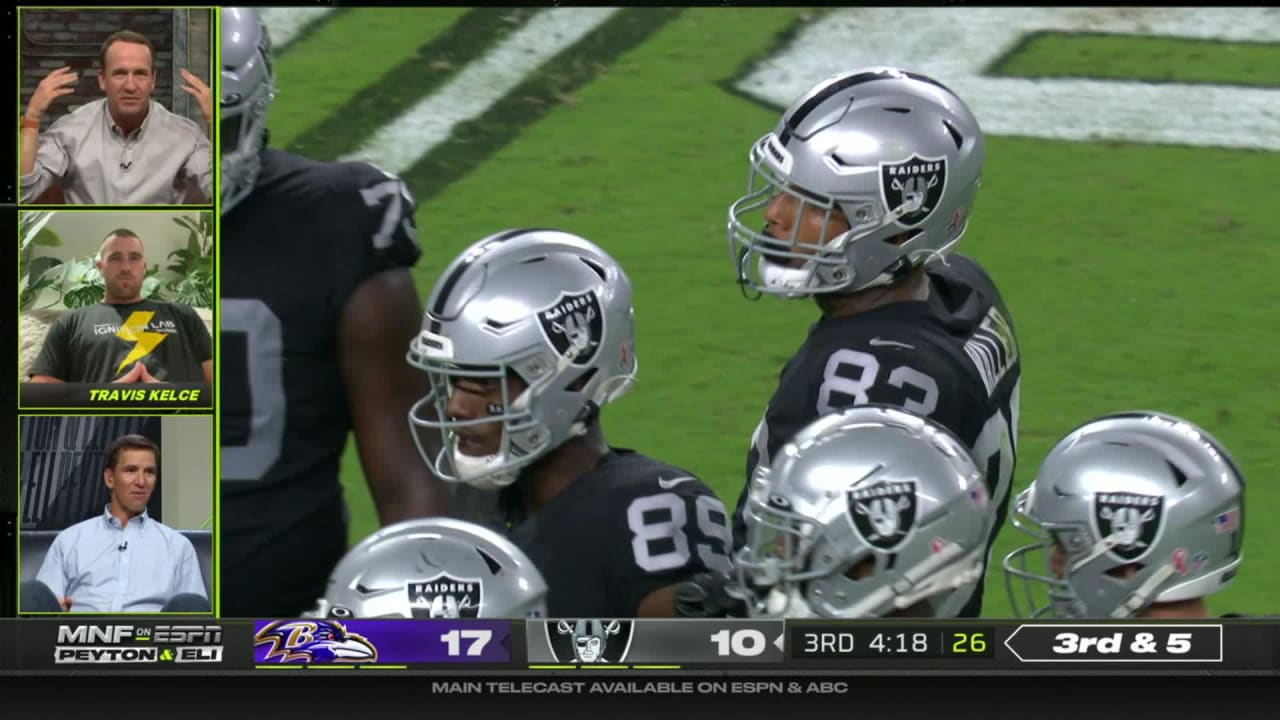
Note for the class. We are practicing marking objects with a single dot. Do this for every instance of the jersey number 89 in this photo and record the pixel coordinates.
(660, 541)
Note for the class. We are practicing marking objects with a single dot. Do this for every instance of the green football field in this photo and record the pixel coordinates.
(1140, 274)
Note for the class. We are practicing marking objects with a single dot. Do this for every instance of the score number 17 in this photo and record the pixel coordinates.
(453, 641)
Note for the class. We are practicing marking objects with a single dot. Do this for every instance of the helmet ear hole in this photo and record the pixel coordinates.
(581, 381)
(864, 568)
(1122, 572)
(901, 238)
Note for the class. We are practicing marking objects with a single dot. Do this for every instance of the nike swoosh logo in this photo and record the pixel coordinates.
(666, 484)
(877, 342)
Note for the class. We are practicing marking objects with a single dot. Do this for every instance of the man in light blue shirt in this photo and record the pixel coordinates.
(122, 560)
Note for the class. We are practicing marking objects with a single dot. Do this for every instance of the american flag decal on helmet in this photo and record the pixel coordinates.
(1228, 521)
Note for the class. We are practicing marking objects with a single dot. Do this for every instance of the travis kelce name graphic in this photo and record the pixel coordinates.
(137, 643)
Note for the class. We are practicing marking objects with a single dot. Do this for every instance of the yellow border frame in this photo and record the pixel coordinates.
(215, 59)
(215, 533)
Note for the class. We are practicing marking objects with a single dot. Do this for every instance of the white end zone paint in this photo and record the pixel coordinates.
(957, 45)
(483, 82)
(284, 24)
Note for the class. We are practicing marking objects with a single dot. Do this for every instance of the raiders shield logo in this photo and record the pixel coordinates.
(918, 182)
(445, 596)
(883, 513)
(574, 325)
(1132, 522)
(589, 641)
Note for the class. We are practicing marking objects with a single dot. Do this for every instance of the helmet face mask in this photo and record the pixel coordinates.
(1128, 511)
(522, 438)
(780, 544)
(543, 320)
(867, 511)
(248, 89)
(888, 160)
(1057, 550)
(793, 266)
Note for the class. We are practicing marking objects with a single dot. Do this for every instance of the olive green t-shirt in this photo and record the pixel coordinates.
(99, 343)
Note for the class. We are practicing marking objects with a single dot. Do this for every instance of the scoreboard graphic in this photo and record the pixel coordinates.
(384, 642)
(583, 645)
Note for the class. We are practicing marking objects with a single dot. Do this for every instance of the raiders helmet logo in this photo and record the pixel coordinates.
(574, 326)
(883, 513)
(1131, 521)
(445, 596)
(918, 182)
(589, 641)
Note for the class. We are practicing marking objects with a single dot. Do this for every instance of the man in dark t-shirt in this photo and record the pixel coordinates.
(125, 338)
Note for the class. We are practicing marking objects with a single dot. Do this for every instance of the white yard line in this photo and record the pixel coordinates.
(284, 24)
(483, 82)
(957, 45)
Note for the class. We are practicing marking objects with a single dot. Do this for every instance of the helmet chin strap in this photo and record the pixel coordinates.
(787, 603)
(922, 581)
(780, 277)
(1138, 599)
(478, 472)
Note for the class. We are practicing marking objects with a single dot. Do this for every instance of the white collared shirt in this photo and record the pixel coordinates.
(97, 164)
(104, 567)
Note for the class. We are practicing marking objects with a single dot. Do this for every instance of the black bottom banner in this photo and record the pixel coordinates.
(309, 694)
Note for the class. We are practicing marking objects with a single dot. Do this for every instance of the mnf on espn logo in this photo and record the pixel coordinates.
(114, 644)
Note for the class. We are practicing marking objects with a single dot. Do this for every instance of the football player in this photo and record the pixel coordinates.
(1134, 515)
(856, 199)
(527, 335)
(868, 512)
(434, 568)
(317, 306)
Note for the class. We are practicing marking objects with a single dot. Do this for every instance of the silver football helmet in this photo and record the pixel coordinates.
(548, 307)
(434, 568)
(248, 87)
(894, 154)
(1139, 508)
(866, 511)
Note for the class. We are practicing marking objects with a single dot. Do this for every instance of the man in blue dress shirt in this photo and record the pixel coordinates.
(122, 560)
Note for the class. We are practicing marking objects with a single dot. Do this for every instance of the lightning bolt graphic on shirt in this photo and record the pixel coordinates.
(134, 330)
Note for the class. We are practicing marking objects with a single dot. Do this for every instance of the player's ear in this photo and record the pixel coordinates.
(109, 478)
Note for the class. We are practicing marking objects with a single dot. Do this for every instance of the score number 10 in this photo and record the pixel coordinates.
(746, 642)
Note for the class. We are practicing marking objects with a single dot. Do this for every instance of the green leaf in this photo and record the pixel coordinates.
(84, 296)
(37, 269)
(32, 223)
(47, 238)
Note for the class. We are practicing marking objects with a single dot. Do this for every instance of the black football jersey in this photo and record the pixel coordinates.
(628, 527)
(953, 358)
(292, 254)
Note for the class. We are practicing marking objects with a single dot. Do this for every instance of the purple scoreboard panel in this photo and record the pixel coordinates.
(382, 642)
